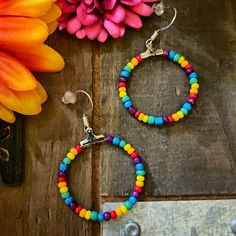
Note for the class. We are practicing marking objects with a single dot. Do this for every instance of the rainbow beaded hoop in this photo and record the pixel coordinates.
(108, 215)
(159, 120)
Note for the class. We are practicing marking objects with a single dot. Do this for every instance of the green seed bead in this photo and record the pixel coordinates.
(140, 172)
(94, 216)
(122, 143)
(66, 160)
(184, 110)
(128, 205)
(193, 80)
(65, 195)
(176, 57)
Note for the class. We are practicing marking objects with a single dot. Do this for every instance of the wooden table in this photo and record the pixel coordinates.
(194, 159)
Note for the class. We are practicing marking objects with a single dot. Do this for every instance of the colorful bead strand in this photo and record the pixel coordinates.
(159, 120)
(108, 215)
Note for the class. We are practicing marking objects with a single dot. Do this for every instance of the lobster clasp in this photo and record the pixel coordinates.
(91, 137)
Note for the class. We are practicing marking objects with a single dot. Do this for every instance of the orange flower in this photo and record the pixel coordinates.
(24, 27)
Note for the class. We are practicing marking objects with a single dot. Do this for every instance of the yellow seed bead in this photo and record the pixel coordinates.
(195, 86)
(122, 94)
(139, 183)
(181, 60)
(62, 184)
(130, 151)
(140, 117)
(184, 63)
(118, 212)
(88, 215)
(134, 61)
(63, 190)
(145, 118)
(130, 65)
(175, 117)
(82, 213)
(180, 114)
(74, 151)
(195, 91)
(140, 178)
(70, 155)
(127, 147)
(123, 209)
(122, 89)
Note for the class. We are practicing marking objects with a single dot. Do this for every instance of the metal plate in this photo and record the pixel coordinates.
(176, 218)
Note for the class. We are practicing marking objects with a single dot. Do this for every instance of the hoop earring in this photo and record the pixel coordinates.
(171, 55)
(91, 139)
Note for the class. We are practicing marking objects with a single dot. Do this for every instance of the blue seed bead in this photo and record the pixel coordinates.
(128, 204)
(127, 69)
(139, 166)
(68, 200)
(193, 80)
(184, 110)
(193, 75)
(133, 200)
(63, 167)
(176, 57)
(122, 143)
(158, 121)
(171, 54)
(65, 195)
(66, 160)
(116, 141)
(140, 172)
(151, 120)
(125, 99)
(94, 215)
(128, 104)
(100, 217)
(124, 73)
(187, 106)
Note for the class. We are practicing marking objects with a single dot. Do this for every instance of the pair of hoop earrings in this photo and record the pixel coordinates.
(91, 138)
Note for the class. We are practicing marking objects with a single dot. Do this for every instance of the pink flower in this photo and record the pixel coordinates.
(97, 19)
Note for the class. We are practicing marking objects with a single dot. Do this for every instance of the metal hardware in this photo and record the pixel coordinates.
(91, 137)
(132, 228)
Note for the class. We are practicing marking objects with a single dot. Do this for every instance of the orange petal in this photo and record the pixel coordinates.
(22, 32)
(7, 115)
(52, 26)
(40, 59)
(15, 75)
(27, 102)
(41, 93)
(53, 14)
(32, 8)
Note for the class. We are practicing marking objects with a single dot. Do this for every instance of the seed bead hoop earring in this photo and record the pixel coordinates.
(171, 55)
(77, 150)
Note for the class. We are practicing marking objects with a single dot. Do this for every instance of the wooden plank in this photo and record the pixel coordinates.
(197, 155)
(195, 218)
(35, 208)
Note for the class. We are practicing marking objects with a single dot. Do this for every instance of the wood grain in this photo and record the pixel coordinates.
(197, 155)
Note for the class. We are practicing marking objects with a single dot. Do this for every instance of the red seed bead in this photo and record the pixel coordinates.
(134, 155)
(113, 214)
(79, 149)
(61, 179)
(170, 118)
(193, 95)
(78, 209)
(139, 59)
(188, 66)
(122, 84)
(138, 189)
(137, 114)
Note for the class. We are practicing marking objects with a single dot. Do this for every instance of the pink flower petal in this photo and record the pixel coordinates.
(86, 19)
(142, 9)
(117, 15)
(109, 4)
(133, 20)
(102, 36)
(92, 31)
(122, 30)
(112, 28)
(130, 2)
(80, 34)
(88, 2)
(98, 5)
(73, 25)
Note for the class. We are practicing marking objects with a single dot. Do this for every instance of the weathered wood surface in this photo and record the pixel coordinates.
(195, 156)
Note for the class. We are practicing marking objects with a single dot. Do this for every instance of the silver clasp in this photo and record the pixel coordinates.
(91, 137)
